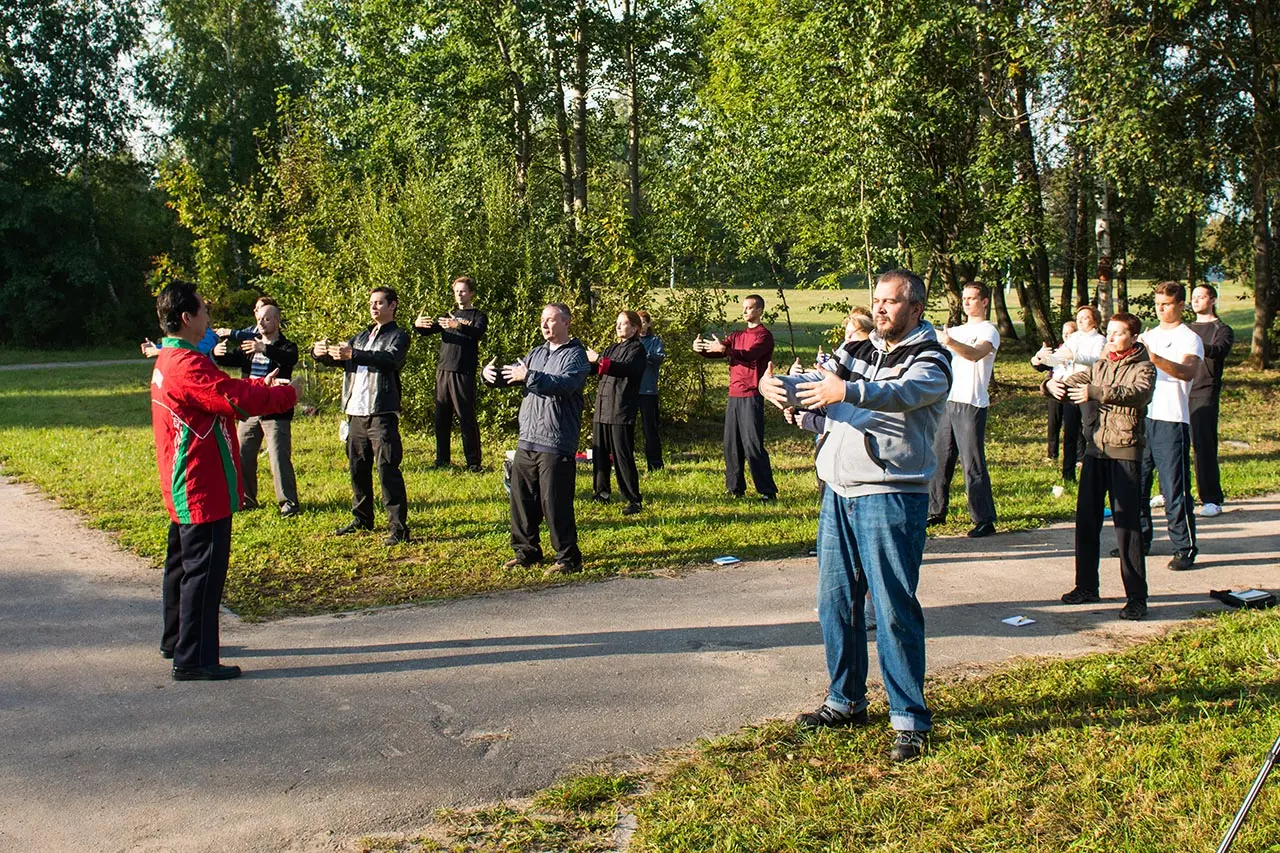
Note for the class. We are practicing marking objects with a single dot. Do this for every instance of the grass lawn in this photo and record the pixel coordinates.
(83, 436)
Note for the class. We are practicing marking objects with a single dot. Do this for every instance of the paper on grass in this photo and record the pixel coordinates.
(726, 561)
(1018, 621)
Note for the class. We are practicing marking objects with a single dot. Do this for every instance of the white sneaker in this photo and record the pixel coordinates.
(1158, 500)
(1209, 511)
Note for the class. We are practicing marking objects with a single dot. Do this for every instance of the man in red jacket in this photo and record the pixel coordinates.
(750, 353)
(194, 406)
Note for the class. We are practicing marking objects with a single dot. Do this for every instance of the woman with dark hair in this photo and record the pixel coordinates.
(620, 367)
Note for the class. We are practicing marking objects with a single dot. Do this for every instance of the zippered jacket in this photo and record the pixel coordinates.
(621, 368)
(194, 406)
(282, 356)
(880, 439)
(1122, 388)
(383, 356)
(551, 411)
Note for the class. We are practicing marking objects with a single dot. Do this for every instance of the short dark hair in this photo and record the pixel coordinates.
(174, 300)
(387, 291)
(758, 298)
(1213, 291)
(563, 309)
(917, 293)
(984, 292)
(466, 279)
(1134, 324)
(1172, 288)
(265, 300)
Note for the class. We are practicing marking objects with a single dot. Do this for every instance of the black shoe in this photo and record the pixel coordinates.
(1146, 551)
(397, 539)
(631, 509)
(986, 528)
(908, 746)
(935, 520)
(732, 495)
(561, 568)
(601, 498)
(353, 527)
(827, 717)
(216, 672)
(1133, 611)
(1080, 596)
(764, 499)
(167, 654)
(248, 504)
(289, 509)
(475, 469)
(518, 563)
(1183, 560)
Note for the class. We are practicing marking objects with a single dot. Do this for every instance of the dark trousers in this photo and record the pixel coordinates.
(456, 392)
(744, 441)
(542, 486)
(1168, 451)
(375, 440)
(1072, 438)
(618, 441)
(962, 435)
(649, 424)
(1204, 443)
(195, 570)
(279, 436)
(1121, 479)
(1055, 426)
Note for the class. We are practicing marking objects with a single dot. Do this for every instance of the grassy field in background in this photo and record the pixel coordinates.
(83, 436)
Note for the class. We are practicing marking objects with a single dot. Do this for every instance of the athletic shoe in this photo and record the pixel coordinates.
(1158, 500)
(908, 746)
(1182, 560)
(350, 528)
(984, 529)
(935, 520)
(1210, 510)
(827, 717)
(560, 568)
(1133, 611)
(631, 509)
(1079, 596)
(288, 509)
(213, 672)
(602, 498)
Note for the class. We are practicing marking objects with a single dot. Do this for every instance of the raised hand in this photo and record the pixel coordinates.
(515, 373)
(699, 345)
(796, 368)
(320, 348)
(772, 389)
(713, 345)
(592, 355)
(827, 391)
(490, 372)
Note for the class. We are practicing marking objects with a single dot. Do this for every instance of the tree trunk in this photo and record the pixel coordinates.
(1004, 323)
(1029, 175)
(1103, 229)
(1192, 244)
(1120, 259)
(582, 55)
(945, 264)
(563, 149)
(1082, 236)
(1263, 302)
(1072, 244)
(633, 117)
(522, 138)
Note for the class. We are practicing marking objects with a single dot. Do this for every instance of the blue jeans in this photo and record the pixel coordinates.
(875, 542)
(1168, 452)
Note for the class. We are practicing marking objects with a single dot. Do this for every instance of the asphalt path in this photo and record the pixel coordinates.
(367, 722)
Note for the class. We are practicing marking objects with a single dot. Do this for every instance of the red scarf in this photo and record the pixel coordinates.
(1116, 356)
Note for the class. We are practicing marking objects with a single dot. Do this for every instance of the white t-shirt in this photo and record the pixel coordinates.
(1169, 402)
(971, 378)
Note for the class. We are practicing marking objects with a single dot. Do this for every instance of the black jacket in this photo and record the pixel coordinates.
(1218, 338)
(281, 355)
(460, 348)
(621, 368)
(384, 357)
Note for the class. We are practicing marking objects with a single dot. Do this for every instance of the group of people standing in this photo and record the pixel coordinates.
(897, 405)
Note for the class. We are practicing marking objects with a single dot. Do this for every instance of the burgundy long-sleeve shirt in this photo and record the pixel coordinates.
(749, 352)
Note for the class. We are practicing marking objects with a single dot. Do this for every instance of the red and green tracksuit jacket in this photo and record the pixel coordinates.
(193, 410)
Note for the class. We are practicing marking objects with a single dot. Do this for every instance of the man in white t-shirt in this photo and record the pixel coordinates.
(963, 426)
(1176, 352)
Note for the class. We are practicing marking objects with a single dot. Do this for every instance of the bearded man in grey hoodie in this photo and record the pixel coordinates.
(876, 457)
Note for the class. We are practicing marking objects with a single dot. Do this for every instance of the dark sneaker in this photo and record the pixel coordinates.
(764, 499)
(1080, 596)
(1146, 551)
(935, 520)
(631, 509)
(248, 504)
(167, 654)
(1133, 611)
(518, 563)
(216, 672)
(1182, 560)
(475, 469)
(827, 717)
(353, 527)
(908, 746)
(397, 539)
(289, 509)
(986, 528)
(601, 498)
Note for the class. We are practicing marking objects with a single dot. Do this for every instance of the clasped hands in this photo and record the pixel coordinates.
(338, 352)
(1076, 393)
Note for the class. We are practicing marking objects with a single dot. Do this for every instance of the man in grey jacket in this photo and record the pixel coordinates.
(542, 474)
(876, 456)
